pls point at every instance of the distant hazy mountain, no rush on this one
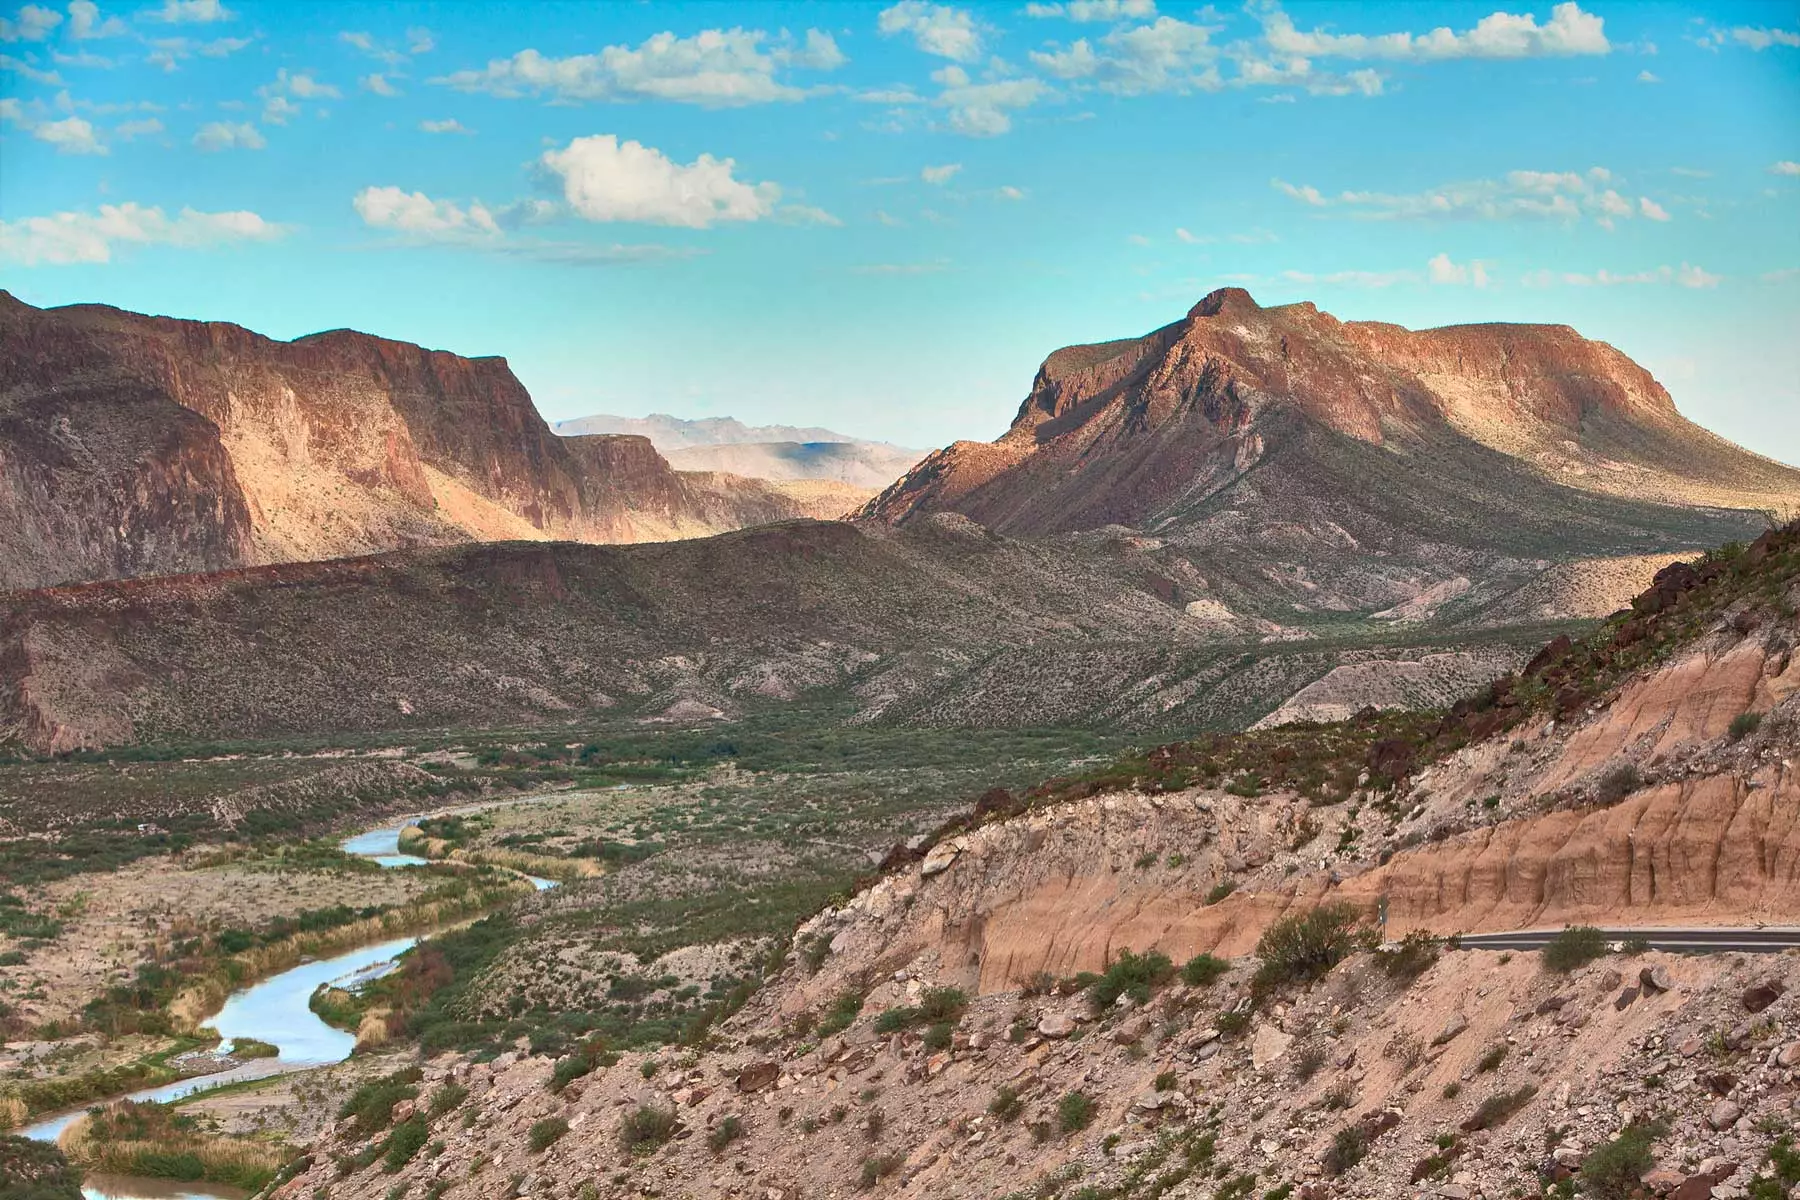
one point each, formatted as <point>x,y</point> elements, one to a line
<point>669,434</point>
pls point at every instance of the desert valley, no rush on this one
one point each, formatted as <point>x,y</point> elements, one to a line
<point>1302,757</point>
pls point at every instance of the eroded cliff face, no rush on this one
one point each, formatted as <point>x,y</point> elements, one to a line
<point>1291,450</point>
<point>143,445</point>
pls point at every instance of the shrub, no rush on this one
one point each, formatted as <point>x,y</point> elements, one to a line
<point>1574,947</point>
<point>372,1104</point>
<point>1499,1108</point>
<point>724,1133</point>
<point>1074,1112</point>
<point>943,1004</point>
<point>1349,1146</point>
<point>841,1014</point>
<point>1006,1104</point>
<point>1165,1081</point>
<point>1304,947</point>
<point>937,1037</point>
<point>1220,890</point>
<point>646,1128</point>
<point>1340,1096</point>
<point>407,1139</point>
<point>1231,1023</point>
<point>545,1133</point>
<point>1411,958</point>
<point>1618,783</point>
<point>1452,1090</point>
<point>1745,724</point>
<point>1307,1062</point>
<point>1612,1171</point>
<point>1132,975</point>
<point>1492,1059</point>
<point>896,1019</point>
<point>1203,969</point>
<point>874,1170</point>
<point>446,1098</point>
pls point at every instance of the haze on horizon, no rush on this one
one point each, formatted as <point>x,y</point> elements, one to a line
<point>880,218</point>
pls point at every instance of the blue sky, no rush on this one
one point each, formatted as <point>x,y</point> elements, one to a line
<point>881,218</point>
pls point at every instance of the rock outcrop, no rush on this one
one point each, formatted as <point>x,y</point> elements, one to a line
<point>134,445</point>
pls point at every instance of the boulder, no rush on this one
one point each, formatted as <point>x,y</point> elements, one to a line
<point>758,1077</point>
<point>1723,1115</point>
<point>941,856</point>
<point>1452,1027</point>
<point>1759,996</point>
<point>1056,1025</point>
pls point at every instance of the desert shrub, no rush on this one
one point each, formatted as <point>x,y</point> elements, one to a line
<point>1499,1108</point>
<point>724,1133</point>
<point>938,1037</point>
<point>1452,1090</point>
<point>1307,1062</point>
<point>1339,1096</point>
<point>646,1128</point>
<point>407,1139</point>
<point>1745,724</point>
<point>1492,1059</point>
<point>545,1133</point>
<point>894,1020</point>
<point>1203,969</point>
<point>1612,1171</point>
<point>874,1170</point>
<point>874,1123</point>
<point>1075,1112</point>
<point>1132,975</point>
<point>1574,947</point>
<point>943,1004</point>
<point>1304,947</point>
<point>447,1097</point>
<point>1410,958</point>
<point>1165,1081</point>
<point>1220,890</point>
<point>1618,783</point>
<point>842,1013</point>
<point>1006,1104</point>
<point>372,1104</point>
<point>1232,1023</point>
<point>1781,1174</point>
<point>1349,1146</point>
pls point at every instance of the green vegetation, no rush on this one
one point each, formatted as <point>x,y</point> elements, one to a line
<point>1499,1108</point>
<point>372,1105</point>
<point>1203,969</point>
<point>1745,724</point>
<point>1074,1112</point>
<point>1410,958</point>
<point>1573,948</point>
<point>944,1005</point>
<point>406,1140</point>
<point>1306,946</point>
<point>646,1128</point>
<point>1349,1146</point>
<point>1780,1174</point>
<point>35,1171</point>
<point>139,1138</point>
<point>1613,1169</point>
<point>875,1169</point>
<point>1006,1104</point>
<point>546,1133</point>
<point>1492,1059</point>
<point>1131,975</point>
<point>727,1131</point>
<point>841,1015</point>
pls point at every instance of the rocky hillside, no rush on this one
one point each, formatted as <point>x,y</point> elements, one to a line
<point>133,445</point>
<point>974,1024</point>
<point>1312,465</point>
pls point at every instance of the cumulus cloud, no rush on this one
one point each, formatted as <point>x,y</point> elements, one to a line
<point>1166,55</point>
<point>416,213</point>
<point>1545,195</point>
<point>935,28</point>
<point>33,23</point>
<point>148,127</point>
<point>1756,37</point>
<point>1442,270</point>
<point>226,135</point>
<point>940,175</point>
<point>715,68</point>
<point>288,86</point>
<point>167,52</point>
<point>449,125</point>
<point>604,179</point>
<point>86,22</point>
<point>1648,77</point>
<point>191,11</point>
<point>415,218</point>
<point>1785,168</point>
<point>77,237</point>
<point>1009,192</point>
<point>1095,10</point>
<point>1570,31</point>
<point>71,135</point>
<point>984,109</point>
<point>379,85</point>
<point>22,68</point>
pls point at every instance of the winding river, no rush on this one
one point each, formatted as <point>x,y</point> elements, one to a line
<point>274,1010</point>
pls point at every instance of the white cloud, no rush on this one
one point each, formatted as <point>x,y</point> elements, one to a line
<point>1686,275</point>
<point>1182,235</point>
<point>1546,195</point>
<point>1762,39</point>
<point>450,125</point>
<point>1570,31</point>
<point>21,67</point>
<point>166,52</point>
<point>935,28</point>
<point>419,40</point>
<point>1785,168</point>
<point>415,213</point>
<point>1364,279</point>
<point>74,237</point>
<point>288,86</point>
<point>379,85</point>
<point>1095,10</point>
<point>197,11</point>
<point>85,22</point>
<point>1009,192</point>
<point>940,175</point>
<point>278,109</point>
<point>71,135</point>
<point>1652,209</point>
<point>305,87</point>
<point>148,127</point>
<point>715,68</point>
<point>225,135</point>
<point>604,179</point>
<point>1165,56</point>
<point>33,23</point>
<point>985,109</point>
<point>1648,77</point>
<point>222,47</point>
<point>1442,270</point>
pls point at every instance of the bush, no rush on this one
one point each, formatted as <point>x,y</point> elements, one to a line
<point>1219,891</point>
<point>1411,958</point>
<point>943,1004</point>
<point>874,1170</point>
<point>841,1015</point>
<point>1304,947</point>
<point>1132,975</point>
<point>1618,783</point>
<point>1006,1104</point>
<point>1499,1108</point>
<point>646,1128</point>
<point>1203,969</point>
<point>1745,724</point>
<point>896,1019</point>
<point>1307,1062</point>
<point>937,1037</point>
<point>1166,1081</point>
<point>1492,1059</point>
<point>724,1133</point>
<point>1349,1146</point>
<point>1574,947</point>
<point>372,1104</point>
<point>1075,1112</point>
<point>1613,1170</point>
<point>447,1097</point>
<point>407,1139</point>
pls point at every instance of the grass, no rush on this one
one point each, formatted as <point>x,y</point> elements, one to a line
<point>133,1138</point>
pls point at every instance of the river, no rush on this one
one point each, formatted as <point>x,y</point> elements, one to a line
<point>275,1011</point>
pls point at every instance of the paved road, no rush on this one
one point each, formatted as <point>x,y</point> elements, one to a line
<point>1765,939</point>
